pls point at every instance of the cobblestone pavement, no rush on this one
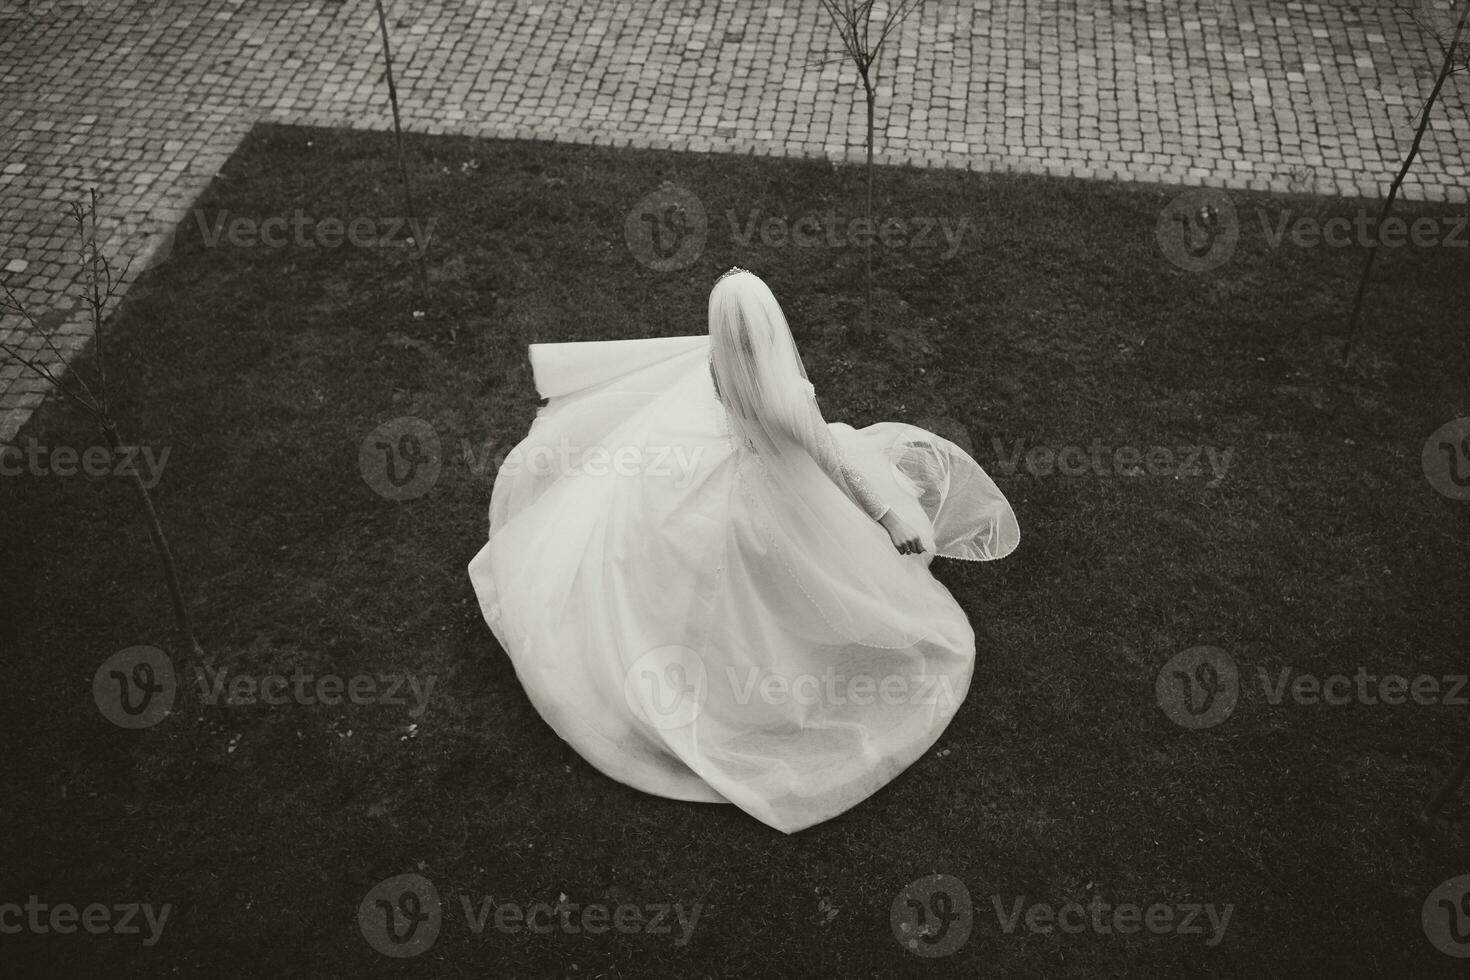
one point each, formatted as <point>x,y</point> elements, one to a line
<point>145,99</point>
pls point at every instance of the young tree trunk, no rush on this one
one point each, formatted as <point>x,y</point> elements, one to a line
<point>1445,70</point>
<point>868,243</point>
<point>165,554</point>
<point>420,247</point>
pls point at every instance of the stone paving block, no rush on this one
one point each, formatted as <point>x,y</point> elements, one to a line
<point>146,100</point>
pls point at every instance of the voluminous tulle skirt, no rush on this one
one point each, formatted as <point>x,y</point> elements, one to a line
<point>644,587</point>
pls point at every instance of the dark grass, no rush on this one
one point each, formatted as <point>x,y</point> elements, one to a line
<point>1058,322</point>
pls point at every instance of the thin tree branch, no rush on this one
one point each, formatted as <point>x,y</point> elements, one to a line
<point>45,372</point>
<point>19,308</point>
<point>1393,190</point>
<point>423,275</point>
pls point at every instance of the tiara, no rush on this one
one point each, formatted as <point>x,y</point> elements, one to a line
<point>732,270</point>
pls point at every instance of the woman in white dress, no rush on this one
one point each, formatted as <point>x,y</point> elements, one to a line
<point>714,595</point>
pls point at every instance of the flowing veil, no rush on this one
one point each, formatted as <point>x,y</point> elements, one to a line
<point>829,550</point>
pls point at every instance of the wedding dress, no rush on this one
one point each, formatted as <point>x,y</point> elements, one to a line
<point>685,567</point>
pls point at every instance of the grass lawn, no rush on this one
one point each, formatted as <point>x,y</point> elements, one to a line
<point>1058,322</point>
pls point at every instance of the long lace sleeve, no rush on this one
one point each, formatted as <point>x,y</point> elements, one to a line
<point>861,493</point>
<point>849,480</point>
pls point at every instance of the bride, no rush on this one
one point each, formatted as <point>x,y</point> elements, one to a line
<point>714,595</point>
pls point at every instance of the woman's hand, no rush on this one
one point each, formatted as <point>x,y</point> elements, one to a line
<point>904,537</point>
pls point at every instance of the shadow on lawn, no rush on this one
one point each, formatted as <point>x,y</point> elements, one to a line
<point>1057,325</point>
